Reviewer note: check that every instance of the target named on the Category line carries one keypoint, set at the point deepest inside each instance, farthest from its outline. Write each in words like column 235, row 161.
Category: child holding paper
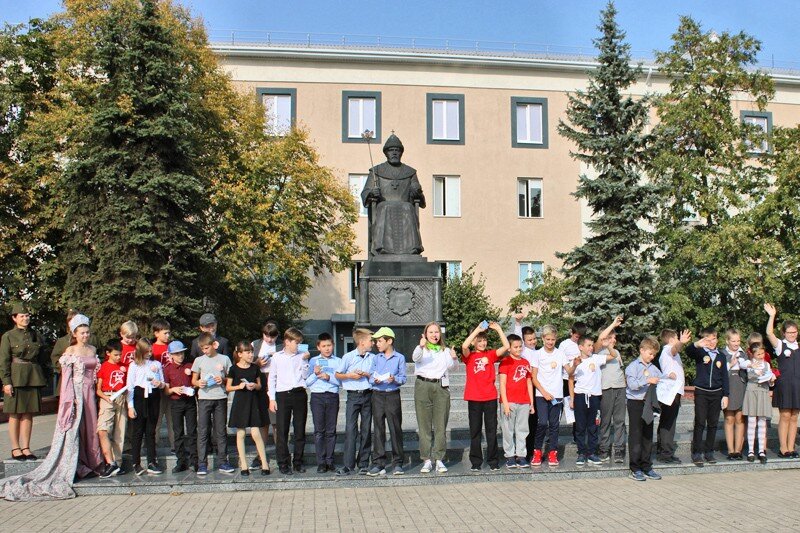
column 112, row 415
column 145, row 379
column 324, row 388
column 183, row 406
column 247, row 411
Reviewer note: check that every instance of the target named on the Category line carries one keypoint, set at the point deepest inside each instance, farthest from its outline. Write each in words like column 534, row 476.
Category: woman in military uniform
column 23, row 360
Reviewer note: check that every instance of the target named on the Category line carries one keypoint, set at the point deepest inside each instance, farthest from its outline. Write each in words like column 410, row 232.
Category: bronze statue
column 393, row 193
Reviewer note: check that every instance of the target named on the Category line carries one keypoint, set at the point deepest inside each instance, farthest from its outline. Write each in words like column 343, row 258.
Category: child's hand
column 495, row 326
column 617, row 321
column 242, row 386
column 672, row 375
column 176, row 390
column 250, row 386
column 518, row 316
column 532, row 410
column 390, row 379
column 324, row 376
column 317, row 370
column 105, row 398
column 306, row 356
column 572, row 403
column 422, row 341
column 131, row 412
column 203, row 383
column 724, row 402
column 685, row 337
column 547, row 396
column 652, row 381
column 506, row 409
column 770, row 309
column 273, row 406
column 156, row 383
column 377, row 381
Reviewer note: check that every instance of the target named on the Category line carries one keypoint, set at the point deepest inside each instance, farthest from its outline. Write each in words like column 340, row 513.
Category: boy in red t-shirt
column 516, row 396
column 161, row 334
column 113, row 413
column 480, row 393
column 128, row 335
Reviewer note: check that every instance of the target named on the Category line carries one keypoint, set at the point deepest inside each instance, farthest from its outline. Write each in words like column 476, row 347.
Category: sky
column 567, row 26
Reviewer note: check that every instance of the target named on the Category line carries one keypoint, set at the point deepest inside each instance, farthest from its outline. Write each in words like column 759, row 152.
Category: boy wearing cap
column 208, row 324
column 183, row 407
column 387, row 373
column 113, row 413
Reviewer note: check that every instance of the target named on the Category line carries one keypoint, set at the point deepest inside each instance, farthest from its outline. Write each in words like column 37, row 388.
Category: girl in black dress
column 786, row 396
column 244, row 380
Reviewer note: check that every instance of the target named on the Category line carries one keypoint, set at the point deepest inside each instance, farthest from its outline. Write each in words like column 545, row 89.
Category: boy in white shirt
column 546, row 369
column 570, row 348
column 672, row 368
column 585, row 390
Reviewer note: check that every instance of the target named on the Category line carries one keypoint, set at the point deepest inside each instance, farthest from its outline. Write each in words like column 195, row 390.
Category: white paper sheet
column 667, row 389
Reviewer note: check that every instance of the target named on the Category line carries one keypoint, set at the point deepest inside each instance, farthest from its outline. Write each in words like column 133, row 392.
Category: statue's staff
column 368, row 136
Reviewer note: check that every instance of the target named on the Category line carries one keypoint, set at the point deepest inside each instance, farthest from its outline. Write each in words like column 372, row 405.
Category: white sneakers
column 428, row 466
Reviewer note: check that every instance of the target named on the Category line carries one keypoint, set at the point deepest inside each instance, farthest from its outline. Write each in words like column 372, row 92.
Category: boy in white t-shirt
column 585, row 390
column 570, row 348
column 546, row 368
column 672, row 368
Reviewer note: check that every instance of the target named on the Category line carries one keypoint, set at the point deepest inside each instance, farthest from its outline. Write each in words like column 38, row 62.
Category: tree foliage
column 609, row 272
column 546, row 299
column 464, row 305
column 709, row 267
column 142, row 184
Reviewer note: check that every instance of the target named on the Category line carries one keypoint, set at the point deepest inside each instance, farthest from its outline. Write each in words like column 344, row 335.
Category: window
column 529, row 197
column 280, row 109
column 355, row 273
column 530, row 275
column 762, row 121
column 446, row 196
column 528, row 122
column 361, row 111
column 445, row 118
column 450, row 270
column 357, row 182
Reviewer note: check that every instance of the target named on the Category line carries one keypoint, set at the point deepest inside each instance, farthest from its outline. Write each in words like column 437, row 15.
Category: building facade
column 479, row 128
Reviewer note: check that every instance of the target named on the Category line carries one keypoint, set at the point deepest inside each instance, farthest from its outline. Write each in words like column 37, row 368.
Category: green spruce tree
column 134, row 196
column 609, row 273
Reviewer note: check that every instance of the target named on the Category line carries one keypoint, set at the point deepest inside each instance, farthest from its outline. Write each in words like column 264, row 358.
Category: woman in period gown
column 75, row 450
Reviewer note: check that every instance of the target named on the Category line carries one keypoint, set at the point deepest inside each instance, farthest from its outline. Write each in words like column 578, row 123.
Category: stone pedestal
column 403, row 295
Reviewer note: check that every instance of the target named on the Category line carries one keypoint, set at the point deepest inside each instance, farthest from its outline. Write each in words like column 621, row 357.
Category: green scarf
column 432, row 347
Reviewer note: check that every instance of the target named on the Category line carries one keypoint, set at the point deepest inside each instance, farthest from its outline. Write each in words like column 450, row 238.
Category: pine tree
column 135, row 199
column 609, row 272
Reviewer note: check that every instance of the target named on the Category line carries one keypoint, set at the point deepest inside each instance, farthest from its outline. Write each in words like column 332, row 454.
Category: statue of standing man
column 393, row 191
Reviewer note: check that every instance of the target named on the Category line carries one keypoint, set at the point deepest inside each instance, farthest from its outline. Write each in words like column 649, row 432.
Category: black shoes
column 300, row 469
column 321, row 469
column 109, row 470
column 180, row 467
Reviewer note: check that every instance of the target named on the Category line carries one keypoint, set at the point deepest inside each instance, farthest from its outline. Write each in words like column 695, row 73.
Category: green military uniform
column 23, row 358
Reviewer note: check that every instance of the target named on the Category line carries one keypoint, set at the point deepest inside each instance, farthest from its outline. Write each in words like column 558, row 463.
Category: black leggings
column 144, row 425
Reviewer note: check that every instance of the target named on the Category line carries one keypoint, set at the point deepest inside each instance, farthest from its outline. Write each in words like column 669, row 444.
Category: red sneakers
column 537, row 458
column 552, row 458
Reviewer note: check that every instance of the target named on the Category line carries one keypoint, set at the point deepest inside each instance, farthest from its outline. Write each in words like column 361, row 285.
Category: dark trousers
column 387, row 410
column 184, row 424
column 640, row 438
column 549, row 417
column 358, row 429
column 292, row 409
column 586, row 423
column 707, row 406
column 530, row 440
column 665, row 445
column 144, row 425
column 324, row 410
column 482, row 414
column 211, row 415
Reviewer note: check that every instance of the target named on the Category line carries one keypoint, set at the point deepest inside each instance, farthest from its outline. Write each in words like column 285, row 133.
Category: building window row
column 361, row 112
column 447, row 196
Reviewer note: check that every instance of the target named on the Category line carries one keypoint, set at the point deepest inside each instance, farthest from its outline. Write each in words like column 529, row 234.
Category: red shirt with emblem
column 518, row 372
column 127, row 354
column 481, row 377
column 178, row 376
column 113, row 376
column 161, row 355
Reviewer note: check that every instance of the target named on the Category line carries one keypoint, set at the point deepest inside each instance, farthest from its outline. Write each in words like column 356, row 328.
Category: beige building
column 479, row 128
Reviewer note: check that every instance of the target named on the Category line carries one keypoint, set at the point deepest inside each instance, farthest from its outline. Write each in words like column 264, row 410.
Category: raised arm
column 465, row 346
column 685, row 337
column 773, row 340
column 598, row 344
column 502, row 350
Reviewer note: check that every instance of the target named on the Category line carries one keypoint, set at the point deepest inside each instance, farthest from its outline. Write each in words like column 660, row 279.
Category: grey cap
column 207, row 319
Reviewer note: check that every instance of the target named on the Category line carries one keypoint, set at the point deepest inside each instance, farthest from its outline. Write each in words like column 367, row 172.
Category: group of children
column 583, row 378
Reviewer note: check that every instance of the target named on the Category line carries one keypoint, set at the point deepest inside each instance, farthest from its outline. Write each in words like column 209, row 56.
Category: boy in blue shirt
column 352, row 374
column 640, row 375
column 324, row 388
column 387, row 374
